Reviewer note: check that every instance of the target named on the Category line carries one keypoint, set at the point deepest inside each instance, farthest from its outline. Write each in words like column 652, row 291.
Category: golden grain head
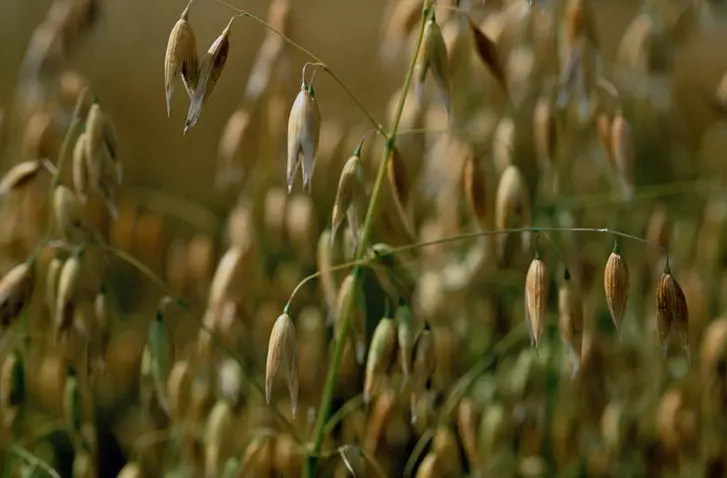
column 209, row 73
column 181, row 58
column 304, row 124
column 537, row 284
column 20, row 175
column 16, row 289
column 434, row 49
column 350, row 188
column 404, row 319
column 672, row 314
column 623, row 154
column 80, row 168
column 283, row 350
column 381, row 355
column 544, row 134
column 616, row 282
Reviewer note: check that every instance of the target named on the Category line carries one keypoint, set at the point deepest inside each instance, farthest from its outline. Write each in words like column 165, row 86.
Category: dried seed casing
column 283, row 350
column 476, row 190
column 536, row 298
column 304, row 124
column 218, row 432
column 80, row 168
column 616, row 282
column 404, row 319
column 512, row 205
column 180, row 58
column 70, row 217
column 381, row 355
column 348, row 196
column 68, row 285
column 570, row 319
column 16, row 288
column 12, row 388
column 544, row 135
column 623, row 154
column 20, row 175
column 423, row 366
column 433, row 57
column 672, row 315
column 209, row 72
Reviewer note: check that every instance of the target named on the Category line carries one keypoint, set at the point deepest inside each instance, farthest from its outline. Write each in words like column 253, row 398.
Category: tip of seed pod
column 169, row 103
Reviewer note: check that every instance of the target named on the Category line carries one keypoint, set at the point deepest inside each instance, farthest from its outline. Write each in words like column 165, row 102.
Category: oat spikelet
column 349, row 199
column 304, row 125
column 283, row 350
column 512, row 205
column 12, row 388
column 209, row 72
column 404, row 319
column 475, row 184
column 68, row 285
column 622, row 149
column 570, row 320
column 80, row 168
column 433, row 57
column 544, row 135
column 180, row 58
column 616, row 284
column 381, row 355
column 16, row 288
column 536, row 298
column 21, row 174
column 218, row 432
column 52, row 277
column 423, row 366
column 672, row 315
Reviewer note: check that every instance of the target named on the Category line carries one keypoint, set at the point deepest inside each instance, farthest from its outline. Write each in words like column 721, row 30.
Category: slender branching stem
column 320, row 63
column 34, row 460
column 344, row 320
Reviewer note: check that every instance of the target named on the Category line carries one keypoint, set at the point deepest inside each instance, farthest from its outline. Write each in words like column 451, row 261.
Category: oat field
column 396, row 238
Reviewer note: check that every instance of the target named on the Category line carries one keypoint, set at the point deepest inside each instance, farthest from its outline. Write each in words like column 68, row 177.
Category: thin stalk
column 324, row 410
column 33, row 460
column 320, row 63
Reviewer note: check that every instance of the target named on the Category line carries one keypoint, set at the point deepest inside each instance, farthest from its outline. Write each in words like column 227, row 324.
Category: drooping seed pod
column 180, row 59
column 288, row 461
column 178, row 390
column 12, row 388
column 283, row 350
column 672, row 315
column 622, row 149
column 570, row 320
column 404, row 319
column 231, row 269
column 423, row 366
column 161, row 357
column 72, row 403
column 209, row 72
column 467, row 422
column 358, row 318
column 258, row 457
column 447, row 451
column 512, row 205
column 23, row 173
column 476, row 191
column 68, row 285
column 80, row 170
column 95, row 139
column 102, row 324
column 396, row 172
column 616, row 282
column 130, row 470
column 536, row 298
column 350, row 199
column 544, row 135
column 433, row 57
column 381, row 356
column 16, row 288
column 218, row 432
column 69, row 216
column 354, row 460
column 430, row 467
column 304, row 124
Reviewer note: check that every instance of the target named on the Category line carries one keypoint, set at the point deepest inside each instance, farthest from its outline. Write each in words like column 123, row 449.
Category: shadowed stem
column 328, row 392
column 34, row 460
column 319, row 63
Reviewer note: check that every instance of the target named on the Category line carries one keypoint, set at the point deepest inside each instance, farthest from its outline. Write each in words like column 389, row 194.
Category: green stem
column 320, row 63
column 33, row 460
column 330, row 386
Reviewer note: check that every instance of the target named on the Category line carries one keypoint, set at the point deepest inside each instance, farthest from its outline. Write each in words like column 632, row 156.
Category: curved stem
column 33, row 460
column 417, row 452
column 328, row 392
column 321, row 64
column 345, row 409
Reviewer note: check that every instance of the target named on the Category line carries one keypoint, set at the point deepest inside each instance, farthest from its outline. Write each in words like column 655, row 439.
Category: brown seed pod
column 231, row 167
column 178, row 390
column 378, row 420
column 304, row 125
column 181, row 58
column 536, row 298
column 447, row 450
column 570, row 320
column 512, row 205
column 433, row 57
column 201, row 262
column 52, row 276
column 288, row 461
column 258, row 457
column 80, row 169
column 12, row 389
column 69, row 283
column 283, row 350
column 16, row 289
column 657, row 232
column 381, row 356
column 616, row 283
column 487, row 52
column 350, row 198
column 476, row 191
column 467, row 422
column 622, row 148
column 672, row 315
column 209, row 72
column 218, row 435
column 227, row 280
column 21, row 174
column 430, row 467
column 69, row 216
column 544, row 135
